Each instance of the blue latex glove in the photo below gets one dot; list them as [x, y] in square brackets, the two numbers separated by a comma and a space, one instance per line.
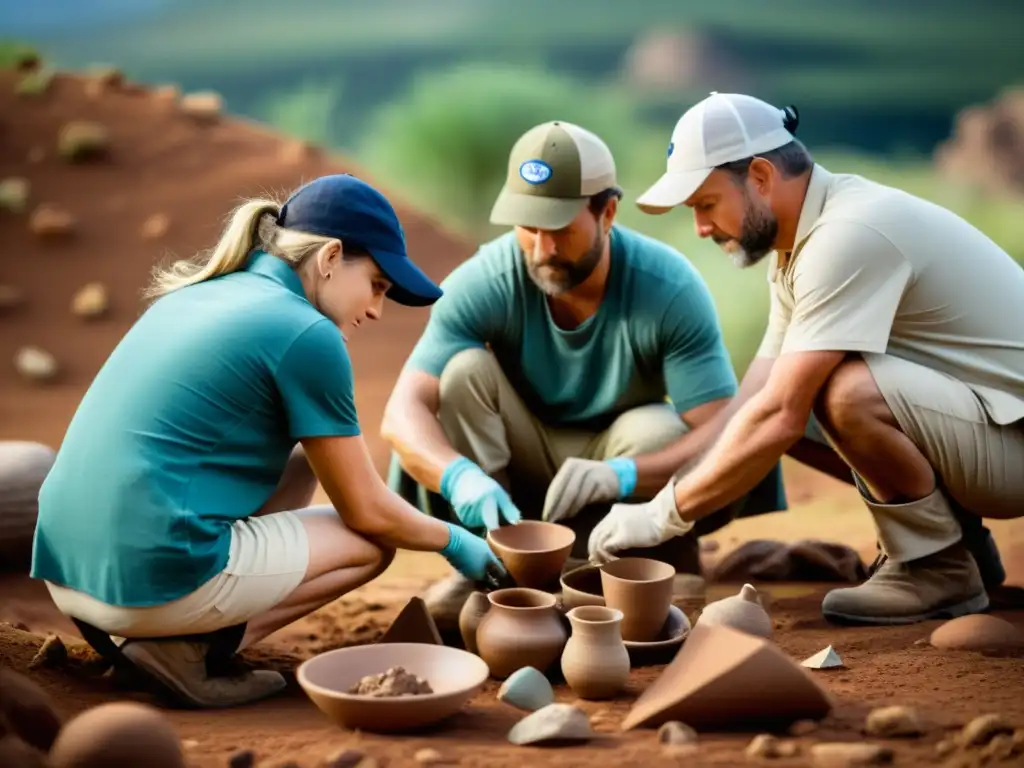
[471, 556]
[478, 500]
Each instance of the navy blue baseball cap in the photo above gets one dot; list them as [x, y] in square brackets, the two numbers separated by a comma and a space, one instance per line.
[349, 209]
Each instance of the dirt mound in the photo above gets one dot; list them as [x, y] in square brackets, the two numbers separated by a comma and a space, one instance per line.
[99, 180]
[987, 148]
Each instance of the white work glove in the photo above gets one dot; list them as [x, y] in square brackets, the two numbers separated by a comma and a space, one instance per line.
[637, 525]
[580, 482]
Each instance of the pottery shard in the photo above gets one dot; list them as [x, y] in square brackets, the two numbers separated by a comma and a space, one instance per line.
[156, 226]
[768, 746]
[83, 140]
[204, 106]
[91, 300]
[35, 364]
[890, 722]
[14, 194]
[555, 723]
[981, 730]
[51, 221]
[842, 755]
[429, 757]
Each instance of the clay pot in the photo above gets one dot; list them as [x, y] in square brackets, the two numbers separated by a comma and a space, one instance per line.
[472, 613]
[522, 629]
[582, 586]
[742, 611]
[595, 663]
[642, 590]
[533, 551]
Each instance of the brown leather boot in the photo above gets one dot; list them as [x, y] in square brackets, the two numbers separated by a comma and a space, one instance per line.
[943, 585]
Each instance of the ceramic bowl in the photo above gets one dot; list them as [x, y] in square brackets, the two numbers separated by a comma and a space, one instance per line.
[454, 674]
[665, 645]
[533, 551]
[582, 586]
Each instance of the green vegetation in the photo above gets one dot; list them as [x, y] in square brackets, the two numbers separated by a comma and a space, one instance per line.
[14, 54]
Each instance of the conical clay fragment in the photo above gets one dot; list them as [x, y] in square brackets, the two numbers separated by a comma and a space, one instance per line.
[554, 724]
[413, 625]
[826, 658]
[723, 677]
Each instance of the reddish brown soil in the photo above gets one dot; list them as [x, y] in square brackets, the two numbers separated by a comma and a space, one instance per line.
[165, 163]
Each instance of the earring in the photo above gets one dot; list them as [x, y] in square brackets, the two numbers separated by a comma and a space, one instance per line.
[327, 276]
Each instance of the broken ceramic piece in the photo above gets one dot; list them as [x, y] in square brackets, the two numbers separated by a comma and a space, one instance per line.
[977, 632]
[723, 677]
[413, 624]
[742, 611]
[526, 689]
[827, 658]
[555, 724]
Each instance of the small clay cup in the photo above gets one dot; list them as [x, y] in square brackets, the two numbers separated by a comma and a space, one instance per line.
[522, 629]
[582, 586]
[533, 551]
[642, 590]
[595, 663]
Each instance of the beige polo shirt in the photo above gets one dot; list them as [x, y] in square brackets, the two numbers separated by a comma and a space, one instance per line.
[874, 269]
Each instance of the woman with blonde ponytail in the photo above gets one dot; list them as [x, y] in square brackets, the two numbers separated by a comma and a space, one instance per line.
[177, 513]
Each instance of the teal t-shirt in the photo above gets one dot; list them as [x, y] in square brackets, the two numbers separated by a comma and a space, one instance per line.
[656, 333]
[186, 429]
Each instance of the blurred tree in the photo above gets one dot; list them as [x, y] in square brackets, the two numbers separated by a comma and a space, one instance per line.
[445, 142]
[306, 112]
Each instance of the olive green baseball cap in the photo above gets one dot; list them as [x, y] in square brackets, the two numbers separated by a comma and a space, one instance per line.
[553, 170]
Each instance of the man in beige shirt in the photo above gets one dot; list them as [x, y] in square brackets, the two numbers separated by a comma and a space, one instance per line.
[894, 322]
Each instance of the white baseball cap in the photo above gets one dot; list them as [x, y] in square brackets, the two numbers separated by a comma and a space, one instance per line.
[723, 128]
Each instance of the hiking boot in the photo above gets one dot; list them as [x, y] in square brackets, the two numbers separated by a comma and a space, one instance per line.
[181, 667]
[986, 555]
[445, 598]
[943, 585]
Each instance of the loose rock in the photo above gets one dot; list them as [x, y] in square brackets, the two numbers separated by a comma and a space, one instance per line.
[101, 79]
[35, 364]
[52, 653]
[767, 746]
[204, 106]
[675, 732]
[558, 723]
[14, 194]
[890, 722]
[346, 757]
[51, 221]
[945, 747]
[91, 301]
[429, 757]
[10, 297]
[981, 730]
[244, 758]
[155, 226]
[35, 83]
[118, 733]
[82, 140]
[803, 728]
[1000, 748]
[843, 755]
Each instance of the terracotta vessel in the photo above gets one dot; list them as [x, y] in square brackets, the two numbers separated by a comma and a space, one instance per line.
[522, 629]
[742, 611]
[642, 589]
[582, 586]
[472, 613]
[533, 551]
[595, 663]
[977, 632]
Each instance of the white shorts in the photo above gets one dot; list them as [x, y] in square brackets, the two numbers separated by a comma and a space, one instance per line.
[268, 560]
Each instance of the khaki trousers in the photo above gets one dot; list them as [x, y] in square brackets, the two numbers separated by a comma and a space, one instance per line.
[488, 422]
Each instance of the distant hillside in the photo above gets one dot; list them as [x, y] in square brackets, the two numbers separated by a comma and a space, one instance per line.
[880, 75]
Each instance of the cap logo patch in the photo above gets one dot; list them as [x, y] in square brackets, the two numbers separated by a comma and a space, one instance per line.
[535, 171]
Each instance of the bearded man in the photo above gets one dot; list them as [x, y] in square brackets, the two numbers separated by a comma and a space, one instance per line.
[894, 323]
[571, 363]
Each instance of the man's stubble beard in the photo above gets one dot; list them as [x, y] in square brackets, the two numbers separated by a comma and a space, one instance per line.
[759, 229]
[570, 275]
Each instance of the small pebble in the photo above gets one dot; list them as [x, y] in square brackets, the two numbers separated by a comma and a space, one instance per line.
[803, 728]
[675, 732]
[156, 226]
[14, 193]
[189, 744]
[891, 722]
[429, 757]
[83, 140]
[204, 106]
[1000, 748]
[49, 220]
[346, 758]
[35, 364]
[945, 747]
[980, 731]
[52, 653]
[849, 755]
[244, 758]
[90, 301]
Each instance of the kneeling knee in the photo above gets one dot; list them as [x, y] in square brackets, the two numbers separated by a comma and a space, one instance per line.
[467, 371]
[849, 399]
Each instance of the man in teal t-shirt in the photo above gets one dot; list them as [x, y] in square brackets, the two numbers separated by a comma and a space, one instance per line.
[571, 363]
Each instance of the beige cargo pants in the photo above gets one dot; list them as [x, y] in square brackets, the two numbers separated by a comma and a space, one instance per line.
[488, 422]
[23, 467]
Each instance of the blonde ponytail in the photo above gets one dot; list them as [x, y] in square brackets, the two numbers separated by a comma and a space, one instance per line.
[252, 224]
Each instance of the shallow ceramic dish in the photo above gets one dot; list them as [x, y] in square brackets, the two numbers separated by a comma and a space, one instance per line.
[533, 551]
[581, 586]
[672, 635]
[454, 674]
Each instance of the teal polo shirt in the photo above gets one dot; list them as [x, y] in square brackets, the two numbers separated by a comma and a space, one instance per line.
[187, 428]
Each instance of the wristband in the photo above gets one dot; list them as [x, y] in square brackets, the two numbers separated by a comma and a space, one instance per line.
[625, 469]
